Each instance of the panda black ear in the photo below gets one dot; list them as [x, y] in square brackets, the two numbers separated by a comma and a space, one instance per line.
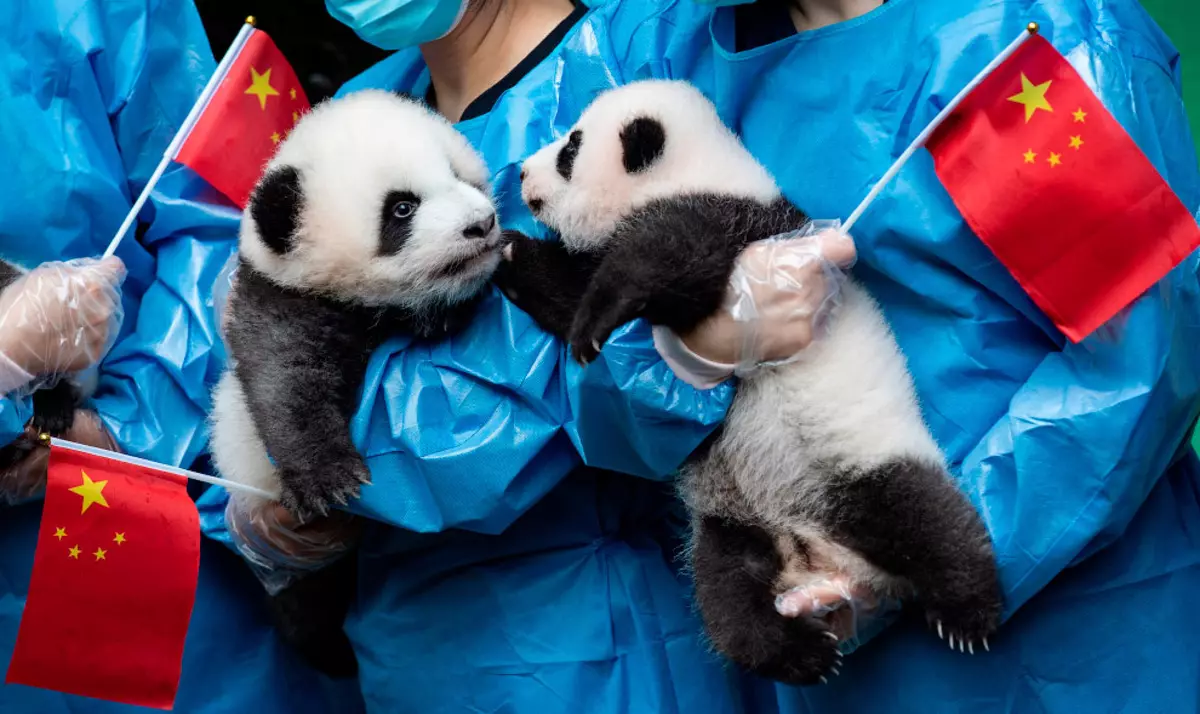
[275, 207]
[642, 142]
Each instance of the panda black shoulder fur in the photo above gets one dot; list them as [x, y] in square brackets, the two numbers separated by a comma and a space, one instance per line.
[373, 218]
[53, 406]
[824, 469]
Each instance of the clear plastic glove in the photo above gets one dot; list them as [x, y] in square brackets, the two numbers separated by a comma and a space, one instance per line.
[278, 548]
[23, 471]
[58, 319]
[780, 293]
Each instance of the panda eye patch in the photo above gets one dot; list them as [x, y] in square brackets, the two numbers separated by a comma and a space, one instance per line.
[566, 155]
[402, 205]
[399, 207]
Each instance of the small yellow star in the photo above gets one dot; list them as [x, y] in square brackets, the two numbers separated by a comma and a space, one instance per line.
[1079, 115]
[1030, 156]
[1076, 142]
[60, 533]
[99, 554]
[119, 539]
[1055, 159]
[74, 551]
[91, 492]
[1033, 96]
[293, 94]
[260, 86]
[295, 117]
[275, 138]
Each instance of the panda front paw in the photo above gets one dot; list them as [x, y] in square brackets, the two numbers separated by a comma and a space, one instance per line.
[598, 317]
[314, 491]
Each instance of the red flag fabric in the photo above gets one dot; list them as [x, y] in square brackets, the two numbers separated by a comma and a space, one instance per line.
[1049, 180]
[253, 109]
[113, 583]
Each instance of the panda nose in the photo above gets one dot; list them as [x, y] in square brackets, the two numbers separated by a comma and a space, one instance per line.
[536, 205]
[481, 229]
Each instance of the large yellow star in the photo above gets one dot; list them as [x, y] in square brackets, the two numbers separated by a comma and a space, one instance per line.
[74, 552]
[1033, 96]
[91, 492]
[60, 533]
[260, 86]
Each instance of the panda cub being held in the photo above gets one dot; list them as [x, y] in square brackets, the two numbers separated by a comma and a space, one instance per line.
[823, 471]
[374, 218]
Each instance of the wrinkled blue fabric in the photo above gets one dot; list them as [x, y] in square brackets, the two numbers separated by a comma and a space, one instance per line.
[1074, 454]
[91, 92]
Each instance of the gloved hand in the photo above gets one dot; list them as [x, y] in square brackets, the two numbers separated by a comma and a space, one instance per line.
[24, 476]
[779, 295]
[280, 549]
[59, 318]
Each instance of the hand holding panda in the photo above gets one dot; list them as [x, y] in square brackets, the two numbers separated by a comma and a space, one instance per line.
[824, 471]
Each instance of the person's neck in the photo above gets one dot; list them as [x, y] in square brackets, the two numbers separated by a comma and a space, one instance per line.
[492, 38]
[811, 14]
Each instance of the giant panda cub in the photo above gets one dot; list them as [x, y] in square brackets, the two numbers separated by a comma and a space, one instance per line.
[824, 471]
[373, 218]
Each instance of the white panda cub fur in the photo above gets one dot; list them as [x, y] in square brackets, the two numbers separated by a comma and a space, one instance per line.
[824, 468]
[373, 218]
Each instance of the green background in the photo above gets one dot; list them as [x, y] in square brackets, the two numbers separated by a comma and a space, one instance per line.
[1181, 21]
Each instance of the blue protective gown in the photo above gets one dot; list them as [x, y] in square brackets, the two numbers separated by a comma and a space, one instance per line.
[91, 92]
[1074, 454]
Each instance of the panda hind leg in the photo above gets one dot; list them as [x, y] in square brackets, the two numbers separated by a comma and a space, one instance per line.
[910, 519]
[735, 566]
[310, 614]
[54, 408]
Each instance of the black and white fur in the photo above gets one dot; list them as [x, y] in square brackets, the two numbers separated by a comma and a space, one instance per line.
[373, 218]
[54, 405]
[824, 468]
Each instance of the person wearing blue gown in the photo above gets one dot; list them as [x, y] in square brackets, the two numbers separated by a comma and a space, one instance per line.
[495, 575]
[91, 92]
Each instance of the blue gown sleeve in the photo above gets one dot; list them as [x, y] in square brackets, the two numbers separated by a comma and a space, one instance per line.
[14, 413]
[1088, 435]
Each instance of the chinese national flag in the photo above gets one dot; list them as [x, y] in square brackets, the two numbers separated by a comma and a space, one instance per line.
[1049, 180]
[255, 106]
[113, 583]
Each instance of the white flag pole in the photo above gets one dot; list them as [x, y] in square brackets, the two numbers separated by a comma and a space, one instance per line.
[181, 136]
[123, 458]
[917, 143]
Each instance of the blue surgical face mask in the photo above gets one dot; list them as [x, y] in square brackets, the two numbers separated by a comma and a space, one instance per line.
[398, 24]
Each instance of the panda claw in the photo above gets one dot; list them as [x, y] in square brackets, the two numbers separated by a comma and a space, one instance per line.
[823, 680]
[831, 636]
[835, 670]
[961, 647]
[940, 635]
[971, 647]
[985, 645]
[951, 641]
